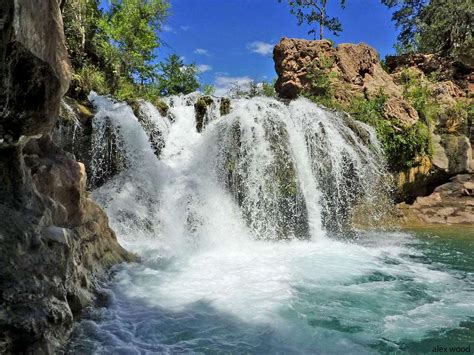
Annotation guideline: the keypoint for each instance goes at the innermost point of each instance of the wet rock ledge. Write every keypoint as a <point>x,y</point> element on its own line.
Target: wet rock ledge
<point>55,243</point>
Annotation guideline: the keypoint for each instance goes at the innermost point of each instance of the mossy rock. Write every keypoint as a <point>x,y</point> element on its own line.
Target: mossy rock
<point>135,106</point>
<point>224,107</point>
<point>200,109</point>
<point>162,107</point>
<point>84,112</point>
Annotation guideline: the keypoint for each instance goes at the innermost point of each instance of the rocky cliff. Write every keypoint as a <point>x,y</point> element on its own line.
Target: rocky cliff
<point>355,71</point>
<point>54,241</point>
<point>418,91</point>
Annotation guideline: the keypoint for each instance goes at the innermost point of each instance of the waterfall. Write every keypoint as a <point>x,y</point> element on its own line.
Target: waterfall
<point>266,170</point>
<point>239,218</point>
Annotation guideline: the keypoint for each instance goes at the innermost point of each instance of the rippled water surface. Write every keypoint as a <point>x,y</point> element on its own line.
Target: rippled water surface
<point>385,293</point>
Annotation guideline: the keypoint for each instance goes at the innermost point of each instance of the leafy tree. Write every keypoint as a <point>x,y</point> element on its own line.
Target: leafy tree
<point>447,27</point>
<point>406,17</point>
<point>314,12</point>
<point>81,19</point>
<point>132,26</point>
<point>438,26</point>
<point>176,77</point>
<point>208,90</point>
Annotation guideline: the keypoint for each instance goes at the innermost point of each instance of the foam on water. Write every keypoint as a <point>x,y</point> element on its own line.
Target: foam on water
<point>215,278</point>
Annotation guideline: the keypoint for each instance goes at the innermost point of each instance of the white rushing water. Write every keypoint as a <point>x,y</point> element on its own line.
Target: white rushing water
<point>239,228</point>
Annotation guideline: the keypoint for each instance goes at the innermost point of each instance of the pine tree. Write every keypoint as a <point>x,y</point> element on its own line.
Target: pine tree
<point>314,12</point>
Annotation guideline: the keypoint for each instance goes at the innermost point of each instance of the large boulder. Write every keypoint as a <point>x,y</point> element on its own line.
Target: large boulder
<point>54,241</point>
<point>355,72</point>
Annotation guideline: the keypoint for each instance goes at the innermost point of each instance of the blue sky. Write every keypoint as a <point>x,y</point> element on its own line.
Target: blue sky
<point>231,40</point>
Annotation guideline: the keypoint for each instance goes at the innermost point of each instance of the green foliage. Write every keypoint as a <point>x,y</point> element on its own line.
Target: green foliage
<point>208,90</point>
<point>253,89</point>
<point>86,79</point>
<point>114,50</point>
<point>176,77</point>
<point>161,106</point>
<point>435,26</point>
<point>80,26</point>
<point>402,145</point>
<point>383,64</point>
<point>454,118</point>
<point>268,89</point>
<point>406,17</point>
<point>447,27</point>
<point>418,93</point>
<point>369,111</point>
<point>132,26</point>
<point>315,12</point>
<point>320,88</point>
<point>127,90</point>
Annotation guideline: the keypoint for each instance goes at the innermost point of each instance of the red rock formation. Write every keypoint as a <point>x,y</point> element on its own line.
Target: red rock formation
<point>357,73</point>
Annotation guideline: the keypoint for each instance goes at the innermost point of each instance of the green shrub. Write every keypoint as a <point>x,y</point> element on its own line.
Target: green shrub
<point>418,93</point>
<point>320,88</point>
<point>88,78</point>
<point>208,90</point>
<point>402,146</point>
<point>268,89</point>
<point>454,118</point>
<point>127,90</point>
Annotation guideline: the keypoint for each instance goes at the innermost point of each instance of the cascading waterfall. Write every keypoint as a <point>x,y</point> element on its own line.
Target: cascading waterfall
<point>238,219</point>
<point>290,168</point>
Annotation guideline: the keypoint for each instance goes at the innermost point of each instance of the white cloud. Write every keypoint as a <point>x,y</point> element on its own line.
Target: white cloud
<point>223,84</point>
<point>202,68</point>
<point>201,51</point>
<point>168,28</point>
<point>185,28</point>
<point>260,47</point>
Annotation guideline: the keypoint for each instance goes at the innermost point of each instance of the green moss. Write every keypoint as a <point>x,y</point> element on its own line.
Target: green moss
<point>161,106</point>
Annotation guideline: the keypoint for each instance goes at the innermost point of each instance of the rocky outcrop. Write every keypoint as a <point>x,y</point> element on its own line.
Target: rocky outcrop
<point>450,203</point>
<point>54,241</point>
<point>451,125</point>
<point>355,72</point>
<point>445,69</point>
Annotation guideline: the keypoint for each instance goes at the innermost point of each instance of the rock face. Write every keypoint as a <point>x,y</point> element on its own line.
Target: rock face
<point>450,203</point>
<point>462,74</point>
<point>451,128</point>
<point>356,73</point>
<point>54,241</point>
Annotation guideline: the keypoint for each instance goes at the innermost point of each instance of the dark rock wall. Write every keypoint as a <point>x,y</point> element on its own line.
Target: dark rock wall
<point>54,241</point>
